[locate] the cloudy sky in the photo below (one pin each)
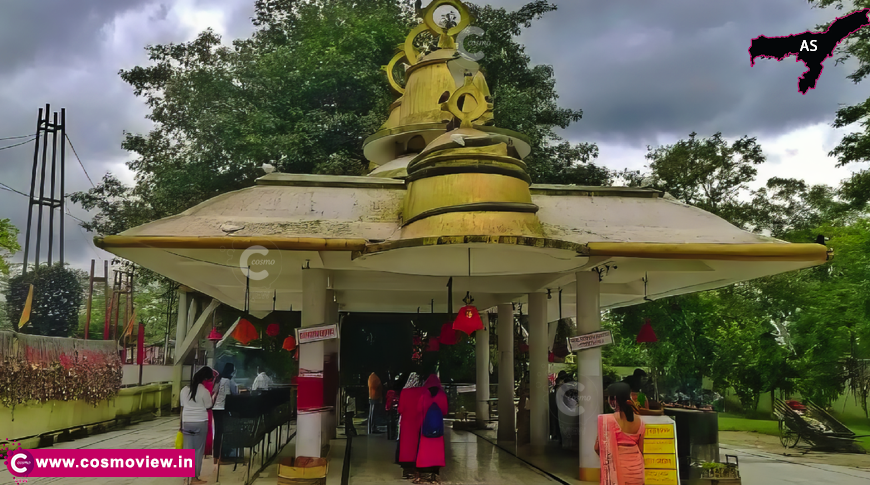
(644, 73)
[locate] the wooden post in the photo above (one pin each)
(116, 291)
(109, 296)
(90, 299)
(140, 349)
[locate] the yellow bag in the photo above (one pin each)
(179, 440)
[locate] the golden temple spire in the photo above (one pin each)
(463, 175)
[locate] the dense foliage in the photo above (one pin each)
(8, 247)
(855, 146)
(57, 299)
(804, 331)
(8, 244)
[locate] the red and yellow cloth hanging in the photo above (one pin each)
(245, 332)
(28, 306)
(468, 320)
(289, 344)
(647, 335)
(214, 335)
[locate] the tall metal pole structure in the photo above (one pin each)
(32, 190)
(46, 127)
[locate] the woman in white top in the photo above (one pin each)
(224, 387)
(195, 403)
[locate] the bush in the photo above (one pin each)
(57, 298)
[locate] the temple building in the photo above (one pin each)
(449, 196)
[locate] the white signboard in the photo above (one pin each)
(314, 334)
(590, 340)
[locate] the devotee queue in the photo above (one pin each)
(415, 419)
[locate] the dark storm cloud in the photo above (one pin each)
(68, 54)
(642, 69)
(46, 31)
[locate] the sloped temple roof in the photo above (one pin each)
(352, 226)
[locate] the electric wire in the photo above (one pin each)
(80, 161)
(17, 137)
(10, 189)
(89, 244)
(18, 144)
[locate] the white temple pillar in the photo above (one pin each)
(309, 426)
(481, 351)
(507, 427)
(180, 334)
(538, 385)
(589, 375)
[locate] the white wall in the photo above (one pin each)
(151, 374)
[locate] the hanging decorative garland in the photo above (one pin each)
(36, 374)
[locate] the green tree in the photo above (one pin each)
(8, 244)
(792, 208)
(8, 247)
(794, 331)
(57, 298)
(708, 173)
(855, 146)
(831, 334)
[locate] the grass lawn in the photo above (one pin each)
(731, 422)
(861, 430)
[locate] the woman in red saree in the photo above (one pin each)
(620, 440)
(411, 420)
(430, 454)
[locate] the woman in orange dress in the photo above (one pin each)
(620, 440)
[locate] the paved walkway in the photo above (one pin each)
(555, 460)
(470, 459)
(769, 469)
(156, 434)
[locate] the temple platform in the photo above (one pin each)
(470, 459)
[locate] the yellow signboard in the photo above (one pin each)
(661, 477)
(660, 451)
(658, 446)
(667, 462)
(661, 431)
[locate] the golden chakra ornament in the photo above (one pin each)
(465, 178)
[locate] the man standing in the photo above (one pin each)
(262, 382)
(374, 402)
